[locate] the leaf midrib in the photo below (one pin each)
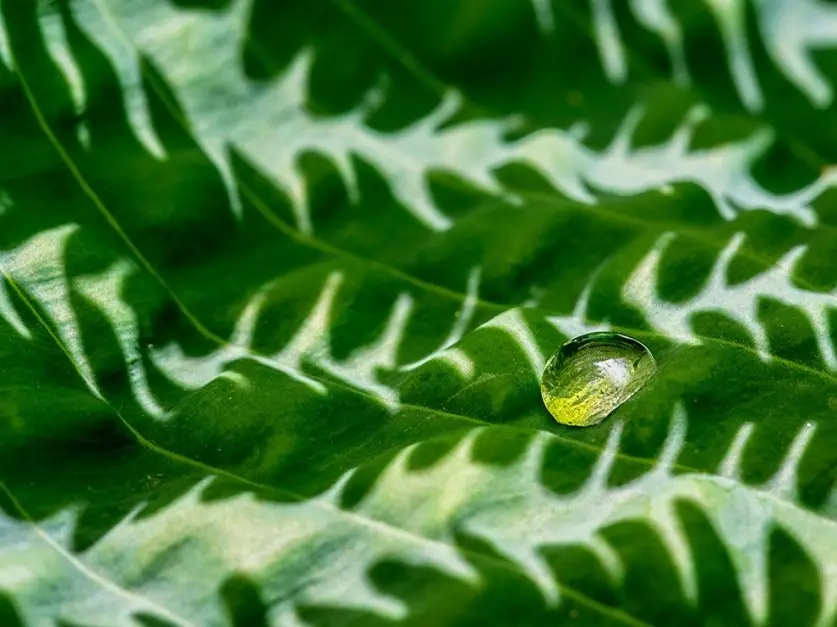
(85, 570)
(203, 330)
(374, 31)
(358, 519)
(210, 335)
(361, 520)
(313, 242)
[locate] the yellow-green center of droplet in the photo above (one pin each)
(593, 374)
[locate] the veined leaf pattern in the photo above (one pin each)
(278, 283)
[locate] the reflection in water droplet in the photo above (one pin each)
(592, 375)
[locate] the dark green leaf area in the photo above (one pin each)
(278, 282)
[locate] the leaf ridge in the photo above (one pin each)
(89, 573)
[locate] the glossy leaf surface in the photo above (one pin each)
(279, 281)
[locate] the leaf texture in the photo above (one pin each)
(279, 281)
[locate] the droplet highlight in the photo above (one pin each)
(593, 374)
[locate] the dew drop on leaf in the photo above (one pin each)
(593, 374)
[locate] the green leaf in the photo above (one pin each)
(279, 281)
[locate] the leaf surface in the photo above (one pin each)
(279, 281)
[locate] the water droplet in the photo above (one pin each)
(593, 374)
